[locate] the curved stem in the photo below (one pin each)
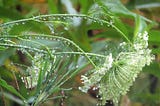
(41, 18)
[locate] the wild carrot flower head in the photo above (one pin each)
(118, 73)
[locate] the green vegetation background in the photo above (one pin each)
(146, 89)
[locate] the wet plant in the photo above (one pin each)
(55, 58)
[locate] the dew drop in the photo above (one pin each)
(94, 21)
(85, 17)
(64, 18)
(67, 56)
(65, 28)
(77, 66)
(68, 43)
(53, 18)
(52, 32)
(44, 19)
(51, 27)
(23, 23)
(17, 23)
(25, 102)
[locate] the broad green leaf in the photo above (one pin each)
(156, 50)
(119, 24)
(52, 6)
(10, 88)
(116, 7)
(6, 13)
(11, 97)
(2, 48)
(153, 69)
(140, 26)
(146, 4)
(154, 36)
(85, 5)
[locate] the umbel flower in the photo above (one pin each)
(118, 73)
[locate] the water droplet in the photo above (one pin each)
(17, 23)
(23, 23)
(94, 21)
(110, 23)
(85, 17)
(68, 43)
(53, 18)
(51, 27)
(64, 18)
(65, 28)
(44, 19)
(52, 32)
(25, 102)
(68, 56)
(77, 66)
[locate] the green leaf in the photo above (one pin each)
(2, 48)
(156, 50)
(11, 97)
(6, 13)
(140, 26)
(116, 7)
(153, 69)
(85, 5)
(119, 24)
(154, 36)
(10, 88)
(52, 6)
(145, 4)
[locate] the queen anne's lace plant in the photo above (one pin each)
(118, 73)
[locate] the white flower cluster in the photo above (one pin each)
(116, 75)
(97, 75)
(141, 41)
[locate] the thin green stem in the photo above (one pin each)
(41, 18)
